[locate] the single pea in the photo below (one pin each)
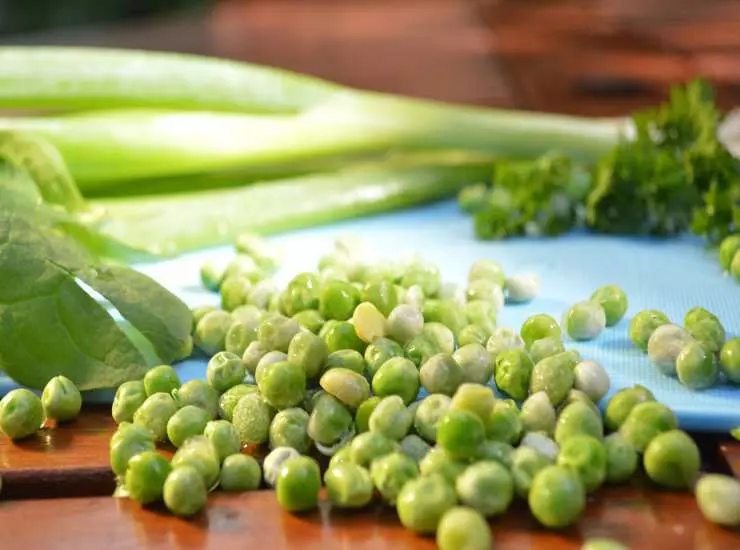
(587, 456)
(223, 437)
(128, 441)
(261, 294)
(592, 379)
(696, 367)
(422, 273)
(210, 332)
(614, 302)
(61, 400)
(310, 320)
(155, 413)
(199, 312)
(480, 313)
(391, 472)
(473, 334)
(198, 452)
(441, 374)
(486, 486)
(298, 484)
(391, 418)
(397, 376)
(368, 446)
(243, 265)
(380, 351)
(440, 336)
(252, 356)
(447, 312)
(200, 394)
(526, 462)
(145, 476)
(238, 337)
(276, 332)
(274, 460)
(423, 501)
(161, 379)
(495, 450)
(310, 352)
(342, 335)
(302, 292)
(584, 320)
(269, 358)
(341, 456)
(475, 363)
(672, 459)
(513, 373)
(240, 473)
(554, 377)
(462, 527)
(621, 458)
(211, 275)
(338, 300)
(185, 423)
(382, 295)
(538, 414)
(289, 428)
(347, 386)
(231, 397)
(429, 414)
(557, 497)
(439, 461)
(234, 291)
(346, 359)
(727, 249)
(419, 349)
(415, 447)
(578, 419)
(369, 323)
(504, 423)
(348, 486)
(282, 384)
(622, 403)
(709, 333)
(729, 359)
(330, 423)
(501, 340)
(474, 398)
(665, 344)
(461, 433)
(545, 347)
(487, 291)
(129, 397)
(224, 371)
(645, 422)
(251, 418)
(577, 396)
(718, 498)
(184, 492)
(404, 322)
(643, 325)
(537, 327)
(413, 296)
(363, 412)
(454, 292)
(487, 270)
(542, 443)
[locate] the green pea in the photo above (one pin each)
(537, 327)
(342, 335)
(495, 450)
(645, 422)
(697, 314)
(61, 400)
(441, 374)
(513, 372)
(545, 347)
(501, 340)
(718, 498)
(347, 359)
(621, 458)
(696, 367)
(481, 313)
(578, 419)
(542, 443)
(261, 293)
(397, 376)
(552, 376)
(129, 397)
(419, 349)
(487, 270)
(289, 428)
(184, 492)
(199, 312)
(504, 423)
(276, 332)
(128, 441)
(154, 414)
(145, 476)
(424, 274)
(211, 275)
(346, 385)
(729, 359)
(251, 417)
(404, 323)
(223, 437)
(440, 336)
(363, 412)
(198, 452)
(474, 398)
(200, 394)
(330, 422)
(622, 403)
(338, 300)
(592, 379)
(380, 351)
(709, 332)
(665, 344)
(185, 423)
(487, 291)
(461, 433)
(538, 413)
(643, 325)
(429, 414)
(310, 352)
(368, 446)
(252, 356)
(348, 485)
(240, 473)
(224, 371)
(265, 256)
(303, 292)
(415, 447)
(584, 320)
(243, 265)
(341, 456)
(614, 302)
(672, 459)
(727, 249)
(231, 397)
(161, 379)
(438, 461)
(423, 501)
(475, 363)
(473, 334)
(310, 319)
(391, 418)
(234, 291)
(486, 486)
(526, 463)
(462, 527)
(391, 472)
(238, 337)
(282, 384)
(382, 294)
(603, 544)
(587, 456)
(298, 484)
(269, 358)
(577, 396)
(210, 332)
(274, 461)
(557, 497)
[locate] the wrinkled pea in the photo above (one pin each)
(276, 332)
(251, 418)
(709, 333)
(231, 397)
(129, 397)
(513, 373)
(224, 371)
(252, 356)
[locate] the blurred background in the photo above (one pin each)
(596, 57)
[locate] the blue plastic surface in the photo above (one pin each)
(670, 275)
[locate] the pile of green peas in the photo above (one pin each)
(698, 353)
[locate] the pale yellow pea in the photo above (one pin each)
(369, 322)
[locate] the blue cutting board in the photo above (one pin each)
(670, 275)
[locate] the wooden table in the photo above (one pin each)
(57, 485)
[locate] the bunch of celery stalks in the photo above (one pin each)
(182, 152)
